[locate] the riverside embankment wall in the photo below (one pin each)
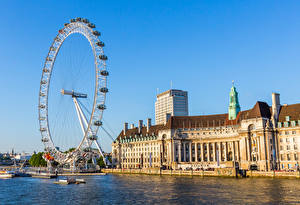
(222, 172)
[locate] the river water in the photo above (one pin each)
(145, 189)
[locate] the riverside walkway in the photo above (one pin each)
(222, 172)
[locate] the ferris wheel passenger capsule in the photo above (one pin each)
(85, 20)
(48, 59)
(43, 82)
(45, 140)
(93, 137)
(57, 39)
(98, 123)
(96, 33)
(104, 89)
(100, 44)
(104, 73)
(103, 57)
(78, 19)
(45, 70)
(52, 48)
(66, 24)
(101, 107)
(91, 25)
(72, 20)
(42, 106)
(43, 129)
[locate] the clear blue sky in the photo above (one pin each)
(200, 45)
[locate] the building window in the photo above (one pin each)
(295, 147)
(293, 123)
(287, 118)
(288, 157)
(288, 147)
(279, 124)
(296, 156)
(281, 157)
(286, 124)
(281, 147)
(286, 132)
(293, 132)
(281, 140)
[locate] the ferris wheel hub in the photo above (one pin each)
(73, 94)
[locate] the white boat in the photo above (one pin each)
(6, 175)
(70, 181)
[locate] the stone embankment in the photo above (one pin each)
(222, 172)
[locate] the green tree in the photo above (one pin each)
(70, 150)
(100, 162)
(37, 160)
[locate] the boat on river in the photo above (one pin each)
(6, 175)
(70, 181)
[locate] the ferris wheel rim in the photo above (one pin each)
(86, 31)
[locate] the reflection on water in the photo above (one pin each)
(144, 189)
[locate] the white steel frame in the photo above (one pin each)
(99, 97)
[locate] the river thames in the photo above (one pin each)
(144, 189)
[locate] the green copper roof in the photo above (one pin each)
(234, 106)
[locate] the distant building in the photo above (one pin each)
(170, 103)
(23, 156)
(263, 137)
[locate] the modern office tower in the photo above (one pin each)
(170, 103)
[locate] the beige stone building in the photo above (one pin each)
(264, 138)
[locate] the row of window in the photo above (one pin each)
(288, 157)
(287, 132)
(288, 123)
(138, 160)
(208, 133)
(288, 147)
(288, 139)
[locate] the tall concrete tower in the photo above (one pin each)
(234, 106)
(170, 103)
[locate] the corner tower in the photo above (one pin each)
(234, 106)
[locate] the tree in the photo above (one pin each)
(70, 150)
(100, 162)
(37, 160)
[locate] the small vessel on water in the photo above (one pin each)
(70, 181)
(6, 174)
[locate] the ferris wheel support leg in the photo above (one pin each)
(82, 119)
(78, 115)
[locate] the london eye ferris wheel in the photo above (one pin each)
(72, 93)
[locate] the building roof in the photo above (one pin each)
(168, 91)
(135, 131)
(260, 109)
(293, 111)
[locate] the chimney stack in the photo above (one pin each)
(125, 128)
(131, 126)
(275, 106)
(140, 125)
(148, 124)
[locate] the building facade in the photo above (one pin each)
(170, 103)
(263, 138)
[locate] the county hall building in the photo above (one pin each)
(263, 138)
